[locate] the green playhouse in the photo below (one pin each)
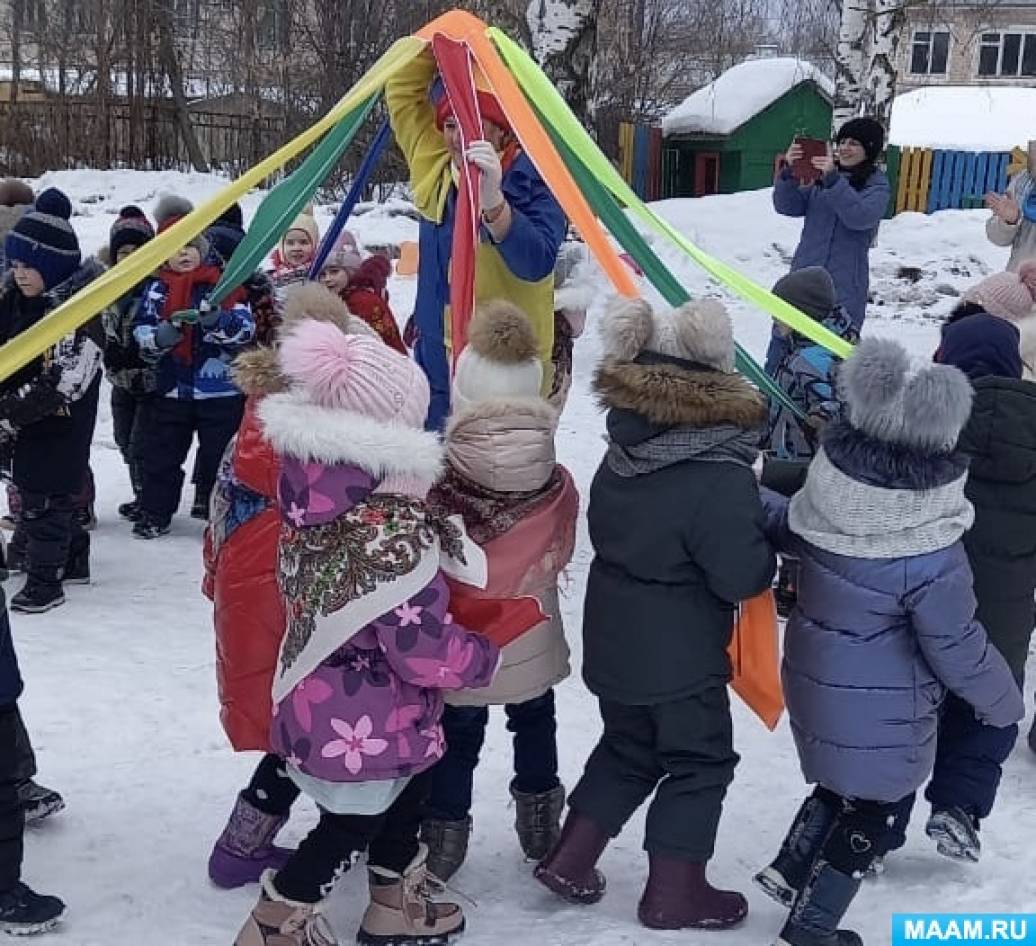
(726, 137)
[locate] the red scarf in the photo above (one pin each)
(180, 293)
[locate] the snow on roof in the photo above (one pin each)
(965, 118)
(740, 94)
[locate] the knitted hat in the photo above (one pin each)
(886, 400)
(307, 224)
(345, 254)
(44, 240)
(1010, 296)
(868, 132)
(227, 232)
(15, 193)
(810, 290)
(354, 373)
(488, 105)
(170, 210)
(699, 331)
(232, 215)
(131, 228)
(982, 345)
(501, 358)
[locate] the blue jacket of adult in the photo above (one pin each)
(839, 227)
(874, 643)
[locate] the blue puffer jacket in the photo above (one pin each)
(870, 650)
(840, 225)
(10, 679)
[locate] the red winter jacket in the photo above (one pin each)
(241, 579)
(367, 298)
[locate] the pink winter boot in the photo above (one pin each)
(245, 848)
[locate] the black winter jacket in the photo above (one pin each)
(1000, 438)
(675, 549)
(49, 407)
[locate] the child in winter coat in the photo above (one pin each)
(370, 645)
(1000, 442)
(885, 625)
(677, 530)
(241, 581)
(804, 371)
(132, 378)
(520, 505)
(49, 407)
(22, 910)
(195, 393)
(298, 247)
(362, 284)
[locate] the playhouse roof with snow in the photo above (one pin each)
(741, 93)
(964, 118)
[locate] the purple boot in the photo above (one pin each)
(245, 848)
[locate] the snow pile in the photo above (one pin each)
(741, 93)
(964, 118)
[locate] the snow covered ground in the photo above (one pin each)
(121, 698)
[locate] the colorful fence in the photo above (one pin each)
(926, 180)
(640, 159)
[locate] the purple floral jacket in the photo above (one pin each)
(371, 710)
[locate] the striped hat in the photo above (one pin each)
(43, 239)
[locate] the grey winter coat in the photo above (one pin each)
(1020, 236)
(840, 225)
(874, 643)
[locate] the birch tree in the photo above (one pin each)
(564, 42)
(850, 60)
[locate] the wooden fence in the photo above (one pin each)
(640, 159)
(926, 180)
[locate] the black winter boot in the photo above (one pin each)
(570, 870)
(36, 597)
(148, 527)
(77, 571)
(130, 510)
(447, 843)
(819, 908)
(538, 820)
(38, 802)
(783, 879)
(200, 506)
(24, 912)
(1032, 732)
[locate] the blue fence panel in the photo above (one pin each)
(956, 191)
(935, 185)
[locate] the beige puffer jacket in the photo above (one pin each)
(508, 446)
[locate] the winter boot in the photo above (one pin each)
(955, 833)
(24, 912)
(678, 897)
(36, 597)
(1032, 732)
(130, 510)
(200, 506)
(570, 870)
(402, 911)
(447, 843)
(77, 571)
(86, 517)
(819, 908)
(38, 802)
(148, 527)
(277, 921)
(538, 820)
(783, 879)
(245, 849)
(786, 594)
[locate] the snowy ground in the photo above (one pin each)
(121, 698)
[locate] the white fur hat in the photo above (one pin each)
(501, 359)
(699, 331)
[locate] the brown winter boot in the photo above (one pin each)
(570, 870)
(402, 911)
(277, 921)
(678, 897)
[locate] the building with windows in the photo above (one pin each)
(982, 42)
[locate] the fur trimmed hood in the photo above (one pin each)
(297, 428)
(667, 392)
(257, 373)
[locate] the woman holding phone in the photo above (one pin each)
(841, 211)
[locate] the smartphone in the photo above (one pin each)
(803, 168)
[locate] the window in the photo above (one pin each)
(34, 16)
(930, 53)
(1006, 55)
(271, 29)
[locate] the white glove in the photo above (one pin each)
(483, 155)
